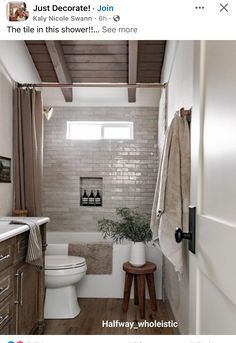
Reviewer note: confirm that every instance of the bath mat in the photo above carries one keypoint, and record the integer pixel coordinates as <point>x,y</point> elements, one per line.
<point>98,255</point>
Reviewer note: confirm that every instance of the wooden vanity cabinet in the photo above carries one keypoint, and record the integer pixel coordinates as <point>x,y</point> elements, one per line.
<point>21,288</point>
<point>26,298</point>
<point>6,286</point>
<point>25,289</point>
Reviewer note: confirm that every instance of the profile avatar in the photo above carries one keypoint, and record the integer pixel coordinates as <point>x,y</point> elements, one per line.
<point>17,11</point>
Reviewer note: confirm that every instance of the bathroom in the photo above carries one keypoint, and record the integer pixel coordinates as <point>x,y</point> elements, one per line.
<point>124,170</point>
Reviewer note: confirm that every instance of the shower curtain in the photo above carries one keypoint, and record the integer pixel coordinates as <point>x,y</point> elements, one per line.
<point>28,150</point>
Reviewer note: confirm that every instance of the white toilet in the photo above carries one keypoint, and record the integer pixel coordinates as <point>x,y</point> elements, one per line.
<point>62,273</point>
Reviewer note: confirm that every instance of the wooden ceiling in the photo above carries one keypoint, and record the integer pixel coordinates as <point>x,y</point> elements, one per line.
<point>98,62</point>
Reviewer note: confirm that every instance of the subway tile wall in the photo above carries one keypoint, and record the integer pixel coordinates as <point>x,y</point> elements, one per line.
<point>128,168</point>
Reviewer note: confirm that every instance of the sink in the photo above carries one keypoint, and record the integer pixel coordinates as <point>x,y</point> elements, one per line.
<point>8,230</point>
<point>4,222</point>
<point>5,226</point>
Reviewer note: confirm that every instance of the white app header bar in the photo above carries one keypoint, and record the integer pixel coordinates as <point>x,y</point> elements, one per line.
<point>118,19</point>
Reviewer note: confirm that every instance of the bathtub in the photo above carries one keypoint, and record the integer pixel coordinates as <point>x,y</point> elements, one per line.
<point>104,286</point>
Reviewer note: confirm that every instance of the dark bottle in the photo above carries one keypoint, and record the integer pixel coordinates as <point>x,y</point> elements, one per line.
<point>85,199</point>
<point>91,199</point>
<point>98,199</point>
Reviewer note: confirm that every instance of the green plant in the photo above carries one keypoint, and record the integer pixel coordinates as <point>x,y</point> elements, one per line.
<point>133,226</point>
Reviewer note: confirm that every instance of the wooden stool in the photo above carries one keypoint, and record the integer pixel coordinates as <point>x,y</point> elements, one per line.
<point>139,274</point>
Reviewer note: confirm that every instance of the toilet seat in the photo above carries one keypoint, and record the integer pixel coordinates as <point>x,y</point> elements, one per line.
<point>62,262</point>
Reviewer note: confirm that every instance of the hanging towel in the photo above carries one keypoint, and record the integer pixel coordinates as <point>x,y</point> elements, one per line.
<point>34,252</point>
<point>171,200</point>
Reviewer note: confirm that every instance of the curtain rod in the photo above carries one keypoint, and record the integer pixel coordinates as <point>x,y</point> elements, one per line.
<point>75,85</point>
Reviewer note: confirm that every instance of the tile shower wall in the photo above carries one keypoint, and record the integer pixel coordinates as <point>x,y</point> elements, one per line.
<point>128,168</point>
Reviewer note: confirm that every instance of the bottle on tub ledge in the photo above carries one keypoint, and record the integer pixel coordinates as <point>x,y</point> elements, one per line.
<point>98,199</point>
<point>91,199</point>
<point>85,199</point>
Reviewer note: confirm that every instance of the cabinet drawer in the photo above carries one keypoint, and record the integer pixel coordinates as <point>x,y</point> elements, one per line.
<point>8,328</point>
<point>21,246</point>
<point>6,254</point>
<point>6,283</point>
<point>6,311</point>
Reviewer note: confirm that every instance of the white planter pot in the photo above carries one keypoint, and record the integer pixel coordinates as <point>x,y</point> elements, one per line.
<point>137,254</point>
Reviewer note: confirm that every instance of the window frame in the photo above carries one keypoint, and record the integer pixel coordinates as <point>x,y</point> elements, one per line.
<point>103,124</point>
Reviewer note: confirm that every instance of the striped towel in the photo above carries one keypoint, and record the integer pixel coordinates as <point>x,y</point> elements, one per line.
<point>34,252</point>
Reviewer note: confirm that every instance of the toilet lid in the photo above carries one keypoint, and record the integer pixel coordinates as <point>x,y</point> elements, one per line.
<point>63,262</point>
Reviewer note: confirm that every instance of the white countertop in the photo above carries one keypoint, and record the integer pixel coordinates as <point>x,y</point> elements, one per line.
<point>8,230</point>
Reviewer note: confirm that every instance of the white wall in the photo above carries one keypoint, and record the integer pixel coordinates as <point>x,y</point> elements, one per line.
<point>16,59</point>
<point>15,64</point>
<point>83,97</point>
<point>6,189</point>
<point>178,72</point>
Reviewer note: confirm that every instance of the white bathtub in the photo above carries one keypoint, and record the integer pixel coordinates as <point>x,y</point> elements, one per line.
<point>104,286</point>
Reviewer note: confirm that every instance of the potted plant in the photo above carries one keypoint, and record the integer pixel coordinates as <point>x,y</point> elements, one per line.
<point>133,226</point>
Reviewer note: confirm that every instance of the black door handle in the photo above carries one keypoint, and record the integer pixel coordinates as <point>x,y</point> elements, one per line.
<point>190,236</point>
<point>180,235</point>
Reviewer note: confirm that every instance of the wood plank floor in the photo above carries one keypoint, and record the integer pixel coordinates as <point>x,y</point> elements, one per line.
<point>95,311</point>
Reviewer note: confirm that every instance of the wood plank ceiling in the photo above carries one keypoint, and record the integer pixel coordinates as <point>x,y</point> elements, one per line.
<point>98,62</point>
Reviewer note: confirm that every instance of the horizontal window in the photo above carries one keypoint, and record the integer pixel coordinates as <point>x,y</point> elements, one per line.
<point>94,130</point>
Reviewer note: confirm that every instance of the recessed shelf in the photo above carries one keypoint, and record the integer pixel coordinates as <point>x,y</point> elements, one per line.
<point>91,191</point>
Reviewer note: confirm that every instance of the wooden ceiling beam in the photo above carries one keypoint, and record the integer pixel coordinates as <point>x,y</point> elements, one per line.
<point>133,69</point>
<point>58,60</point>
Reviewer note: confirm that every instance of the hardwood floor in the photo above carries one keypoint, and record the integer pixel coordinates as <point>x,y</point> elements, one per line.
<point>95,312</point>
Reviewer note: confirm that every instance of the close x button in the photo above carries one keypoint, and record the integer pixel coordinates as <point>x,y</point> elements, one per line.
<point>224,7</point>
